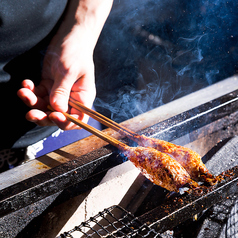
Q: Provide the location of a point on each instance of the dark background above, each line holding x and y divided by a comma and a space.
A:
151, 52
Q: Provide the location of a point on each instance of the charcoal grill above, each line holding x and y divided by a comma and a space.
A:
118, 222
114, 221
204, 127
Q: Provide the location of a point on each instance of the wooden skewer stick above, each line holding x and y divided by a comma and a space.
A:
93, 130
104, 120
159, 145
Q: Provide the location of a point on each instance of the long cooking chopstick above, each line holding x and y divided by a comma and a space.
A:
104, 120
118, 144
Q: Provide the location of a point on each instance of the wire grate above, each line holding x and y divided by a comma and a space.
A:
111, 222
231, 230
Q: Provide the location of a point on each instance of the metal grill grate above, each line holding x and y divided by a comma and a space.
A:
112, 222
231, 229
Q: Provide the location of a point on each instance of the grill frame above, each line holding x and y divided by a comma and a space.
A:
116, 221
88, 167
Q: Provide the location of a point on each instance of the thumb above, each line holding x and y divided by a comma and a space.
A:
60, 92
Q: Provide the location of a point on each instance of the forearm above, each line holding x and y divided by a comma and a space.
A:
87, 16
68, 68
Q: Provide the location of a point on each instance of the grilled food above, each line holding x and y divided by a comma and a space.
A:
159, 167
190, 160
186, 157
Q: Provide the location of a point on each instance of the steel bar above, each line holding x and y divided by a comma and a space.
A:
195, 118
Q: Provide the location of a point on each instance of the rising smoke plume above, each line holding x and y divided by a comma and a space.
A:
152, 52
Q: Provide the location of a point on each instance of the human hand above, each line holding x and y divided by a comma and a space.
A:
68, 70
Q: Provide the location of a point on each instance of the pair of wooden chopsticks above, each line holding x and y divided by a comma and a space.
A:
99, 117
104, 120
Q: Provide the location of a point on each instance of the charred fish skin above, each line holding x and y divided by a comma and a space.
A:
159, 168
189, 159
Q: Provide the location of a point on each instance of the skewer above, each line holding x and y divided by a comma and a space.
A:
183, 155
104, 120
152, 162
93, 130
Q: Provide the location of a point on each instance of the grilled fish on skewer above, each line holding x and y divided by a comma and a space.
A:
159, 167
189, 159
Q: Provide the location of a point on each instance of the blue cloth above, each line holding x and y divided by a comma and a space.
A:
10, 158
61, 138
